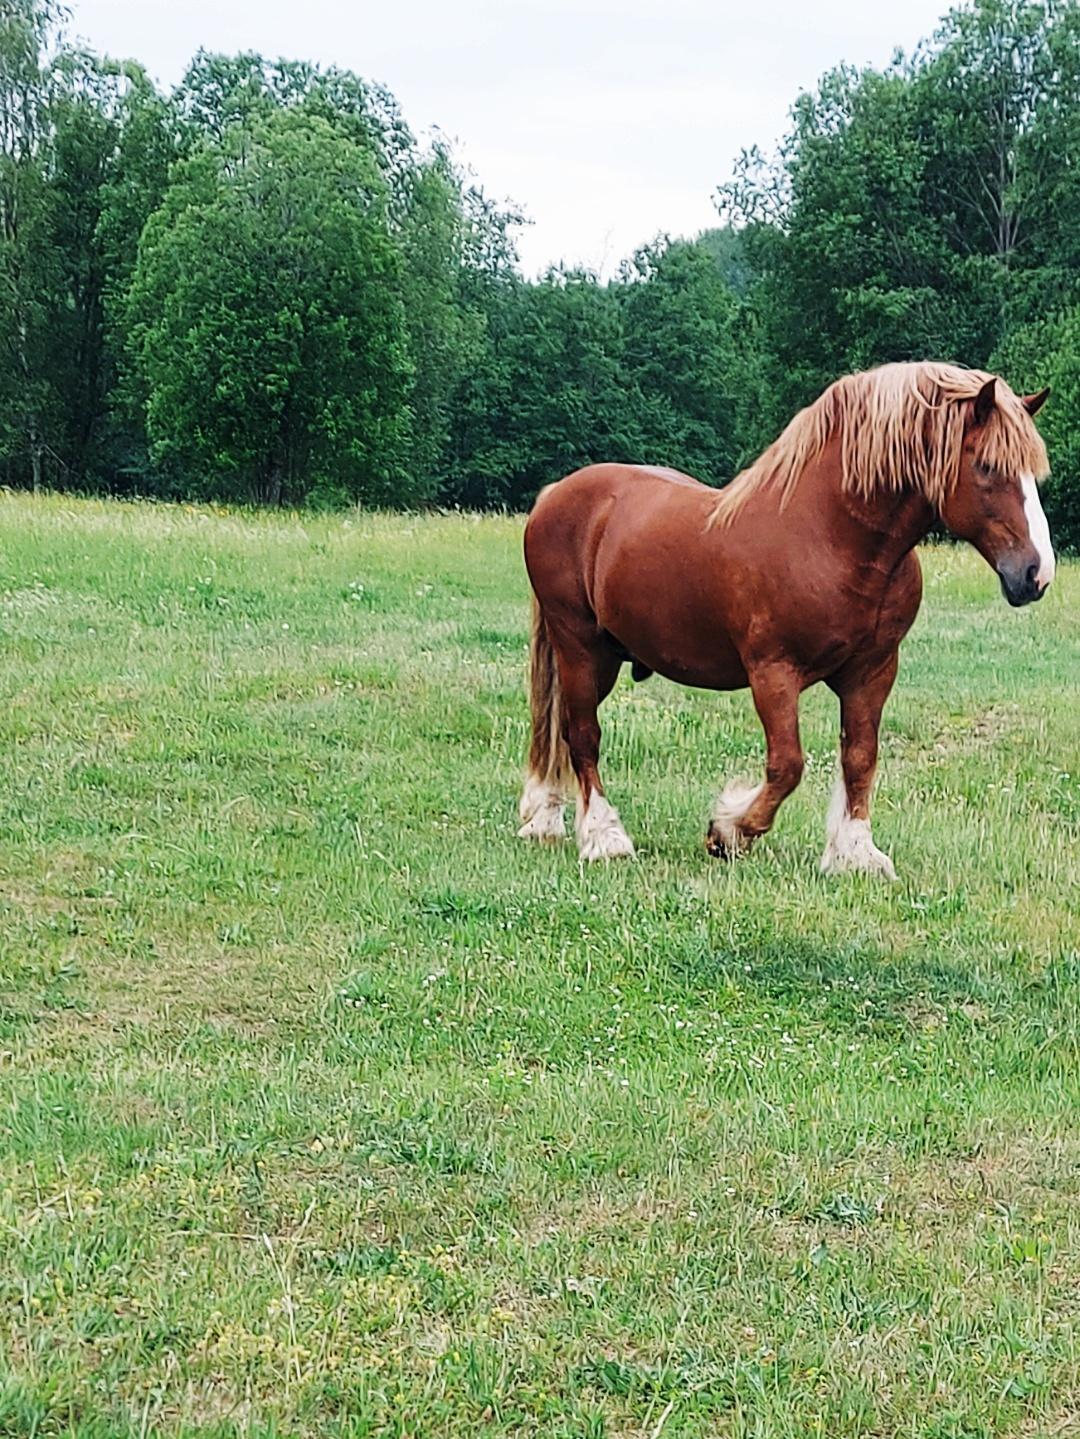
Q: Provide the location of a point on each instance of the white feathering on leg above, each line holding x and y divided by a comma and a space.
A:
541, 810
849, 847
730, 806
600, 832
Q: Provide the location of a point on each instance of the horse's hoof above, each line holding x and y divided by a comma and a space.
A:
544, 827
873, 863
718, 846
616, 848
600, 832
851, 850
725, 838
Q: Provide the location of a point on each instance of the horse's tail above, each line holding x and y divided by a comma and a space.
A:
549, 757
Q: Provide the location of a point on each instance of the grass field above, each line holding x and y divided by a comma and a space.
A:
328, 1108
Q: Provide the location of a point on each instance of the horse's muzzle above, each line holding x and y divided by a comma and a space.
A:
1020, 583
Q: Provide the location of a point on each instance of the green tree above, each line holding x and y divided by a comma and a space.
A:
546, 392
84, 127
998, 95
425, 213
852, 269
684, 350
267, 338
1047, 352
917, 211
28, 277
661, 366
71, 123
441, 333
221, 91
136, 178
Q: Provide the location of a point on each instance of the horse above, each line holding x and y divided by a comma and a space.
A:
802, 570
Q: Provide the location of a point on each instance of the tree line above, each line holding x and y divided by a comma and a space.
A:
260, 287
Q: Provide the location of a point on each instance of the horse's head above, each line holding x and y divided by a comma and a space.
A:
995, 502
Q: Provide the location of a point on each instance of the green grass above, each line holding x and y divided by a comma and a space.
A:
328, 1108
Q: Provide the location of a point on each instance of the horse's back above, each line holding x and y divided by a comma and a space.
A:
613, 477
662, 472
590, 495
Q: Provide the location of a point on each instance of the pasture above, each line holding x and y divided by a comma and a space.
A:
327, 1108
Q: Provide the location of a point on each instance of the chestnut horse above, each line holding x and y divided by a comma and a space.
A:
802, 569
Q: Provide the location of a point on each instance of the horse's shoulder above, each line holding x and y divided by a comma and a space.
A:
909, 574
902, 599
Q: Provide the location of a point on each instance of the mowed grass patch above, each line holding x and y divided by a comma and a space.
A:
329, 1108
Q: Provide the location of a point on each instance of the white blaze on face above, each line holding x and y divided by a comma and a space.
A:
1038, 529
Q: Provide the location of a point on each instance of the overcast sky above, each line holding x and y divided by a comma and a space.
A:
607, 121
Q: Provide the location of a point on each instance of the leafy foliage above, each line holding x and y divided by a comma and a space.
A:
927, 210
1047, 352
28, 275
263, 287
265, 322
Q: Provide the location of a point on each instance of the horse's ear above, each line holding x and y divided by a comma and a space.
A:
984, 402
1034, 403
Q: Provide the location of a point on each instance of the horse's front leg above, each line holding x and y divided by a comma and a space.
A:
742, 812
849, 845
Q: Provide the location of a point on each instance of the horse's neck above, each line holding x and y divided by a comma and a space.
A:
889, 525
873, 534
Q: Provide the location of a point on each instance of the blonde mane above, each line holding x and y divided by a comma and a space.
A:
900, 427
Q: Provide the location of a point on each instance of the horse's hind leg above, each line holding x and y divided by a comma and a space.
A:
587, 673
574, 669
569, 677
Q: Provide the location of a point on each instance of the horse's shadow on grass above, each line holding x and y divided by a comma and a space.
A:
850, 986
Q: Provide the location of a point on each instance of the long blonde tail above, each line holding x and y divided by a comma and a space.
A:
549, 757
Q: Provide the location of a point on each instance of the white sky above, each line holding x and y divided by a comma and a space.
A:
607, 121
